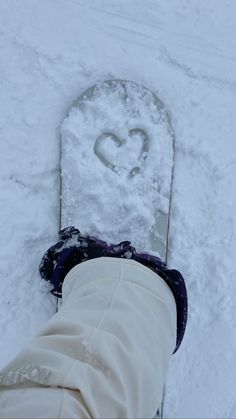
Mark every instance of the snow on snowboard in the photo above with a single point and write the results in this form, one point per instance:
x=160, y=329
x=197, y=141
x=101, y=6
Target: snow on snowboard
x=117, y=166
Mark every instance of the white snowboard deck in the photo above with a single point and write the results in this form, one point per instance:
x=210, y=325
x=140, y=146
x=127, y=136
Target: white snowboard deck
x=117, y=164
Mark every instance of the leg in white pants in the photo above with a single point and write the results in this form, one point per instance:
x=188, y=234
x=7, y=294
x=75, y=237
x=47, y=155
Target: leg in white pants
x=104, y=354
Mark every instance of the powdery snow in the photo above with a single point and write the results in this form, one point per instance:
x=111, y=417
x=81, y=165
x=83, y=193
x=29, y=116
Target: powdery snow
x=184, y=51
x=117, y=160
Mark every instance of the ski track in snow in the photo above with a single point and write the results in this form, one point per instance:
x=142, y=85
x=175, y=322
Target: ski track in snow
x=183, y=50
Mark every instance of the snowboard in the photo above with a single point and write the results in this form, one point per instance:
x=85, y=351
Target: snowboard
x=117, y=149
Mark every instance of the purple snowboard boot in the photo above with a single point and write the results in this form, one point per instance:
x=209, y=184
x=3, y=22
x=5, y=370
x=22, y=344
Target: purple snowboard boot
x=74, y=248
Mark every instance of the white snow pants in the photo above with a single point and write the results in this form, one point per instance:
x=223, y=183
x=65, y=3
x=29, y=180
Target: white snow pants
x=104, y=354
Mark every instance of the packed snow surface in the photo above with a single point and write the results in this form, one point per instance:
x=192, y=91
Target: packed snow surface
x=185, y=52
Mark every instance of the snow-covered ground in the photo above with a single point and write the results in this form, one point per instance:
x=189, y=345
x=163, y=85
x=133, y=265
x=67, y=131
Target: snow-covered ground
x=183, y=50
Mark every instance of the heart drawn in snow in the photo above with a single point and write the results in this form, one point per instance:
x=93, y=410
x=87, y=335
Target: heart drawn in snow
x=110, y=139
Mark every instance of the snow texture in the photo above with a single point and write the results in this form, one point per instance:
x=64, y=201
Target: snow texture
x=117, y=160
x=184, y=51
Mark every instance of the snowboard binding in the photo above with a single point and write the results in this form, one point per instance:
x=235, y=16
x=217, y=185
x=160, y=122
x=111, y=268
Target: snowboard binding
x=74, y=248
